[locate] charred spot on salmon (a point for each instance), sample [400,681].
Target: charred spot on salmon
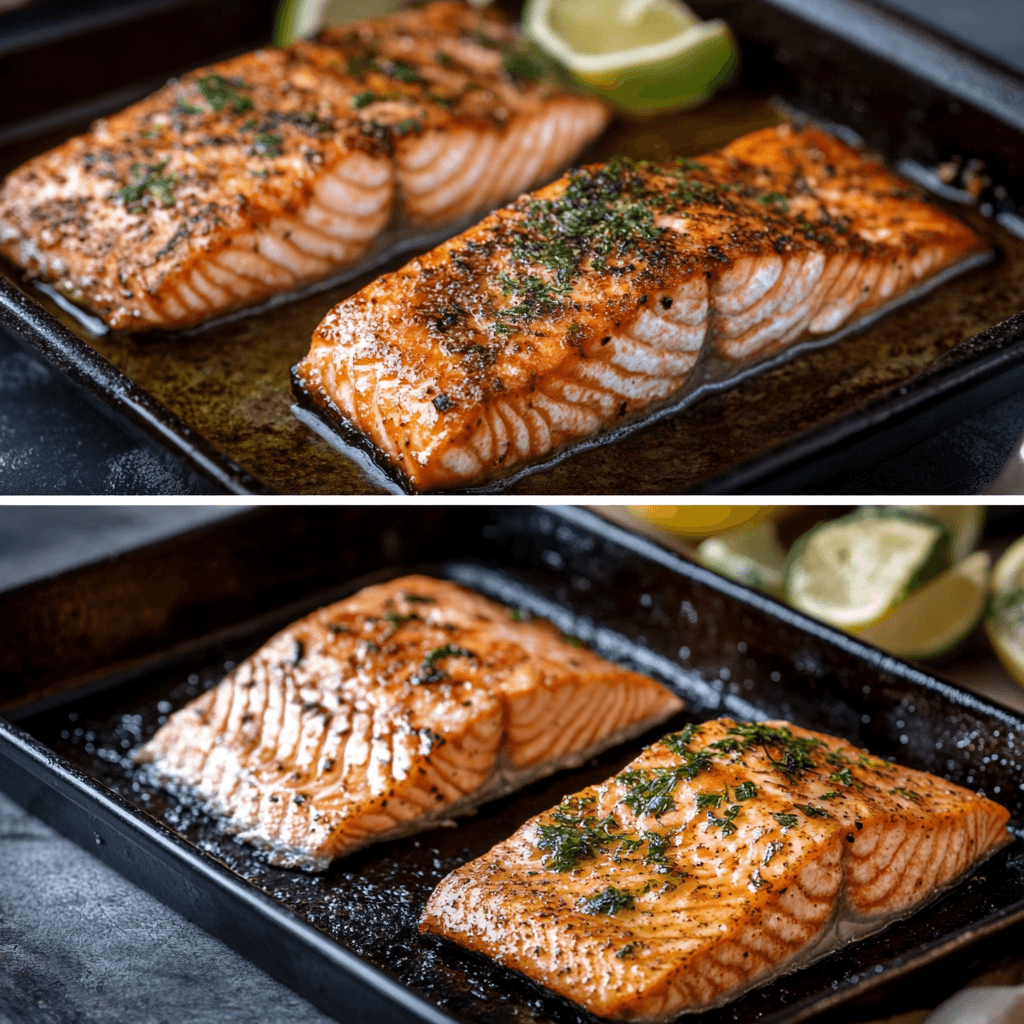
[220,92]
[610,900]
[666,302]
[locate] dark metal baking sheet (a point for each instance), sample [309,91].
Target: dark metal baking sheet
[347,940]
[220,399]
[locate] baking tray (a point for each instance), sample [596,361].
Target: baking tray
[143,633]
[220,399]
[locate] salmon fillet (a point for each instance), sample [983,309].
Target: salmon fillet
[588,302]
[375,717]
[279,167]
[723,855]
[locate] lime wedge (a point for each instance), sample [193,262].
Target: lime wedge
[298,18]
[701,520]
[854,570]
[964,523]
[937,616]
[1005,620]
[752,556]
[643,56]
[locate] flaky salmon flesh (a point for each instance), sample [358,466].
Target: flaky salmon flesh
[375,717]
[279,167]
[722,856]
[588,302]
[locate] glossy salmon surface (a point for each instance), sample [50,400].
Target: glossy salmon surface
[588,302]
[382,714]
[279,167]
[720,857]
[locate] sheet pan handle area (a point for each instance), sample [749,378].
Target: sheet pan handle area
[28,322]
[195,885]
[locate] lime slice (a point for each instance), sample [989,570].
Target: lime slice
[937,616]
[964,523]
[752,556]
[852,571]
[298,18]
[1005,621]
[644,56]
[702,520]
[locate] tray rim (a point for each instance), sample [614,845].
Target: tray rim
[44,770]
[890,35]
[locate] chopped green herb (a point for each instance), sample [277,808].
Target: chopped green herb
[769,852]
[786,820]
[725,823]
[418,599]
[402,72]
[609,900]
[656,846]
[705,800]
[745,791]
[775,199]
[406,125]
[811,811]
[690,165]
[358,64]
[364,99]
[756,880]
[677,742]
[220,92]
[836,758]
[521,615]
[651,794]
[572,641]
[397,620]
[832,794]
[443,59]
[181,106]
[844,777]
[431,673]
[574,837]
[267,145]
[626,950]
[146,179]
[795,754]
[908,793]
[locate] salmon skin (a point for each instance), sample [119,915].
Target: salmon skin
[722,856]
[589,301]
[280,167]
[389,712]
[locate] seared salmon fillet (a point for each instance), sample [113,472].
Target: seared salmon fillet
[588,302]
[411,701]
[723,855]
[279,167]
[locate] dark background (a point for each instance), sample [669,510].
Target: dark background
[53,441]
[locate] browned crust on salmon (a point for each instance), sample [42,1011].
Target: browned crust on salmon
[727,893]
[588,301]
[276,168]
[375,716]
